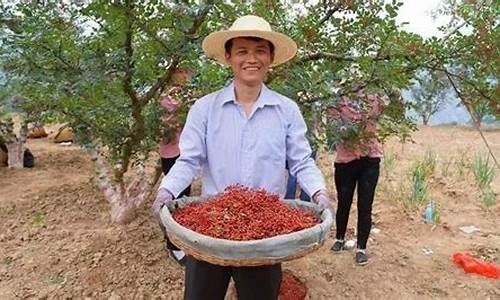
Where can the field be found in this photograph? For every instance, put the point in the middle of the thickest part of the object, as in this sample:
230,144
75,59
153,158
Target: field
56,240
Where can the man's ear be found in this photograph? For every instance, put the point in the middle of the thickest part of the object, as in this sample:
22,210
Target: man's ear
272,57
228,56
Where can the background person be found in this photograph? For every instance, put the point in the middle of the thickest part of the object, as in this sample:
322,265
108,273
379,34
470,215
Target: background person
357,164
169,144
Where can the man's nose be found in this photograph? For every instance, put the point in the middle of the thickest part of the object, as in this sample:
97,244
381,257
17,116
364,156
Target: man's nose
252,57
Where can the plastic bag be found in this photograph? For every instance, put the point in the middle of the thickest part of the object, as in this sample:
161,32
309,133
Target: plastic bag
473,265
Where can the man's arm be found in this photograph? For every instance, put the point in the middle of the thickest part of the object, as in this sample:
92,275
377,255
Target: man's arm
299,158
192,146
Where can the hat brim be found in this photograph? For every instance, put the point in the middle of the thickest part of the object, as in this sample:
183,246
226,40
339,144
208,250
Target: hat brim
284,47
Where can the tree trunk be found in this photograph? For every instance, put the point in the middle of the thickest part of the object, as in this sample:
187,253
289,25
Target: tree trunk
123,212
15,154
124,199
425,120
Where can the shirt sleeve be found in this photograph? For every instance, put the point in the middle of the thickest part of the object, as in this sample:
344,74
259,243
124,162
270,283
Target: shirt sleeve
192,145
299,159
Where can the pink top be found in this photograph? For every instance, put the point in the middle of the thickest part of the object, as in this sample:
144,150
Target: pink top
350,112
170,149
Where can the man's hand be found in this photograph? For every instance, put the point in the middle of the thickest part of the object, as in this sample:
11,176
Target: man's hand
164,197
323,200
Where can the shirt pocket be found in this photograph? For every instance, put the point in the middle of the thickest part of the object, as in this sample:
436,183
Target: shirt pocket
271,144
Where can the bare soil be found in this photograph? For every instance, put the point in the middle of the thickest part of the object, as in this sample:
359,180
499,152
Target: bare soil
57,242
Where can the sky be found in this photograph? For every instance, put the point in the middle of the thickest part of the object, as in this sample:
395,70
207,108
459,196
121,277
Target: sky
418,13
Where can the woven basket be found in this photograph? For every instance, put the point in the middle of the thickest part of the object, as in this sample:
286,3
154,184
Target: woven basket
267,251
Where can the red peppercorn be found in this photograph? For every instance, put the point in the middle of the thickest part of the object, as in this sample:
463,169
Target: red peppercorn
240,213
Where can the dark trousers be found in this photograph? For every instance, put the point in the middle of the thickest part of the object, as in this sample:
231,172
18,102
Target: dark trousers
364,173
291,185
208,281
166,165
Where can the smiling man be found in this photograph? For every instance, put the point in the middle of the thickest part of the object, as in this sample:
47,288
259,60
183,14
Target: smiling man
242,134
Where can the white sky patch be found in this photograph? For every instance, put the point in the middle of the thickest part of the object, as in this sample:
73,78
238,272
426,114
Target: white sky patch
419,15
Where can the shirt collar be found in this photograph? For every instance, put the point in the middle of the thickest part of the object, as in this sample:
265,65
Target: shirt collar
266,97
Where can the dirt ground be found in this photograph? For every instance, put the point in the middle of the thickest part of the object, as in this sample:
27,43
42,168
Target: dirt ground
56,240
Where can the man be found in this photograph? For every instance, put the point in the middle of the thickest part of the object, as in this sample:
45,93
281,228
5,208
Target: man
242,134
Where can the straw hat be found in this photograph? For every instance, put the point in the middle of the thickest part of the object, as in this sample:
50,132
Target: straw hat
284,47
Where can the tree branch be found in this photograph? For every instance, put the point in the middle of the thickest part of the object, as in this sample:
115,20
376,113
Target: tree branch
329,14
339,57
138,127
462,78
58,56
198,21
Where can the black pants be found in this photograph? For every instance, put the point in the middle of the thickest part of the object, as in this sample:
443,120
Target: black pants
207,281
166,165
364,173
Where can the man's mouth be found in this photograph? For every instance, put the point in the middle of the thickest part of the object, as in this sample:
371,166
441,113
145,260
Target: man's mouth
251,68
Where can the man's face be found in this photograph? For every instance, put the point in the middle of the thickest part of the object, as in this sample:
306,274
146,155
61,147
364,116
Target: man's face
249,60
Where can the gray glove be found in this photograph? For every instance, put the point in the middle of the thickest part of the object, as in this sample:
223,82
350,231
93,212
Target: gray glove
323,200
164,197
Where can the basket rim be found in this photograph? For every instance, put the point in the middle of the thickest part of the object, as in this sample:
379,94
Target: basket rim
325,217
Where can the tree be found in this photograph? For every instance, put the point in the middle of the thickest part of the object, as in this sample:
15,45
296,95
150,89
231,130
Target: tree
473,63
430,94
101,65
473,71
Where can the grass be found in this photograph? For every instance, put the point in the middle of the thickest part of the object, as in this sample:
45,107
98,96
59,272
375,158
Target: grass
483,170
462,164
428,163
419,187
388,163
39,219
489,198
446,167
484,173
54,279
7,261
420,173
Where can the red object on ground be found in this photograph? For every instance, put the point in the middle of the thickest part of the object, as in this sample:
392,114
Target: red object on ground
473,265
291,287
243,214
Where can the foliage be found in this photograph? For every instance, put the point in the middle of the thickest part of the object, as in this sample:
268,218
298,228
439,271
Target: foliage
420,174
471,54
428,163
388,163
483,170
489,198
39,219
100,66
419,187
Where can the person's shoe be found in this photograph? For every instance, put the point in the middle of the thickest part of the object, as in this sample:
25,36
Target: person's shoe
178,255
338,246
361,257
